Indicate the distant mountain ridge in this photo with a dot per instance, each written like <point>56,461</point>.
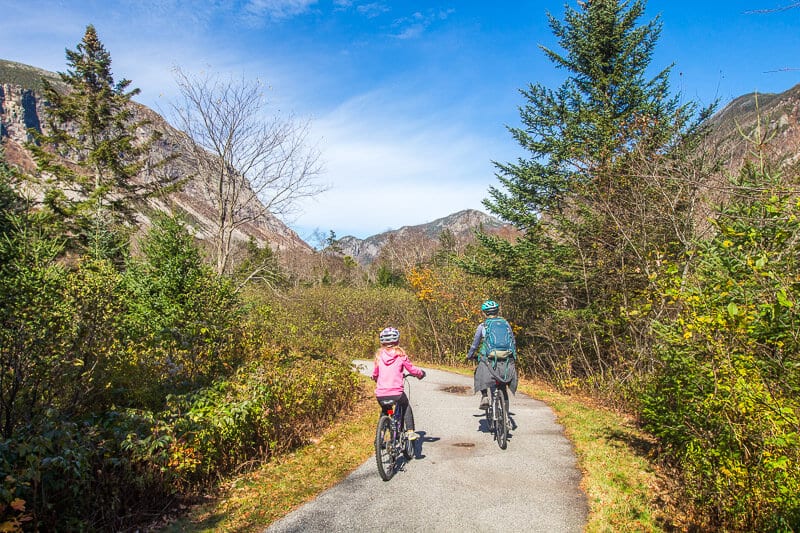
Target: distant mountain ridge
<point>461,226</point>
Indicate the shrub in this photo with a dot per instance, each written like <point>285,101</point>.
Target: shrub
<point>449,301</point>
<point>267,408</point>
<point>726,399</point>
<point>342,322</point>
<point>181,319</point>
<point>74,475</point>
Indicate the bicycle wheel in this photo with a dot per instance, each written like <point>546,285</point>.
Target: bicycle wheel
<point>490,417</point>
<point>384,448</point>
<point>501,420</point>
<point>407,445</point>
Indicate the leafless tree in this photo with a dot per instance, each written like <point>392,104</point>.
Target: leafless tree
<point>251,165</point>
<point>773,10</point>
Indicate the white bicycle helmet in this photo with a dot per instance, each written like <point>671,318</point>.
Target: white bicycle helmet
<point>389,336</point>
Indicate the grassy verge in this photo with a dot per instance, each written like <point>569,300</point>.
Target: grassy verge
<point>619,482</point>
<point>254,500</point>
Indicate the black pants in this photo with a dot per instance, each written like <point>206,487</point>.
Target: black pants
<point>402,405</point>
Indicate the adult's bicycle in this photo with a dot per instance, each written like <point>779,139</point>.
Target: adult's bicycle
<point>497,413</point>
<point>391,440</point>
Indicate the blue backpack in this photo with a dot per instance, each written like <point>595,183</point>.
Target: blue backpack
<point>498,339</point>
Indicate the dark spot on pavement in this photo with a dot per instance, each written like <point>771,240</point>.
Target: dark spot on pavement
<point>457,389</point>
<point>464,444</point>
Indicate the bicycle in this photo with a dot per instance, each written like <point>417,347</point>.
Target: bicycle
<point>391,441</point>
<point>497,414</point>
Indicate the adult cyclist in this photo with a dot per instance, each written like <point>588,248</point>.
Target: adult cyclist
<point>496,350</point>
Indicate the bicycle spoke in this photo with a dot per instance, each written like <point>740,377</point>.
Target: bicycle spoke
<point>385,452</point>
<point>502,421</point>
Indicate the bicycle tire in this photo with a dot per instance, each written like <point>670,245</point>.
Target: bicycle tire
<point>501,422</point>
<point>385,448</point>
<point>489,411</point>
<point>407,446</point>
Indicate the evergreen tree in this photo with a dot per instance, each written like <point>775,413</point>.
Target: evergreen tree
<point>589,196</point>
<point>604,111</point>
<point>90,152</point>
<point>11,203</point>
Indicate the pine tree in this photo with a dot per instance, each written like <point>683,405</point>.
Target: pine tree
<point>90,152</point>
<point>587,197</point>
<point>604,111</point>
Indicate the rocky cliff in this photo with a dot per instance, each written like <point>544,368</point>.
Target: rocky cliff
<point>21,109</point>
<point>773,118</point>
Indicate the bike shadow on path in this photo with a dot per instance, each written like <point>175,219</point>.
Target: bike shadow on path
<point>419,443</point>
<point>483,424</point>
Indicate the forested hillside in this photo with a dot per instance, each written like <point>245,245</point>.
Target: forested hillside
<point>651,264</point>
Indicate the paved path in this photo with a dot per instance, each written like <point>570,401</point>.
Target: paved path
<point>460,480</point>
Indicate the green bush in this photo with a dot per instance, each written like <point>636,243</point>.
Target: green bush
<point>74,476</point>
<point>725,401</point>
<point>104,472</point>
<point>181,319</point>
<point>267,408</point>
<point>35,323</point>
<point>342,322</point>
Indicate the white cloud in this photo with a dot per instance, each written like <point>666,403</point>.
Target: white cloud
<point>276,9</point>
<point>396,156</point>
<point>372,9</point>
<point>388,171</point>
<point>415,25</point>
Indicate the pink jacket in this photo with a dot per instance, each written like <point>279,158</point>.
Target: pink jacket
<point>390,362</point>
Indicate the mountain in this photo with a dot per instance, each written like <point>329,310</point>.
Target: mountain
<point>776,116</point>
<point>771,116</point>
<point>418,242</point>
<point>21,108</point>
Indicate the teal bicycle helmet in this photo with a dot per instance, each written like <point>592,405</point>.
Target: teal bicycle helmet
<point>490,307</point>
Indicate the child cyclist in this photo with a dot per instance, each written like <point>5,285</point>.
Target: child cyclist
<point>391,363</point>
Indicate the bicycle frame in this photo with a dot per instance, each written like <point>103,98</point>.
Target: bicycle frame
<point>397,427</point>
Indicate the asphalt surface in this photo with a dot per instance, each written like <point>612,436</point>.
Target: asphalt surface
<point>460,480</point>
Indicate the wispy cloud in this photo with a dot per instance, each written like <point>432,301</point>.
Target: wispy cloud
<point>373,9</point>
<point>273,10</point>
<point>367,9</point>
<point>393,170</point>
<point>416,24</point>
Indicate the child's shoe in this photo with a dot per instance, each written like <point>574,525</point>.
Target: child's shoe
<point>411,435</point>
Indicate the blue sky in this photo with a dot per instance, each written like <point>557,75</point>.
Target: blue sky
<point>408,100</point>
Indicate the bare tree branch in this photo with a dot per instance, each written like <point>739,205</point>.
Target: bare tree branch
<point>773,10</point>
<point>251,166</point>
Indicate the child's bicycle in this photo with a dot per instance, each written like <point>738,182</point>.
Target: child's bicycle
<point>391,441</point>
<point>497,414</point>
